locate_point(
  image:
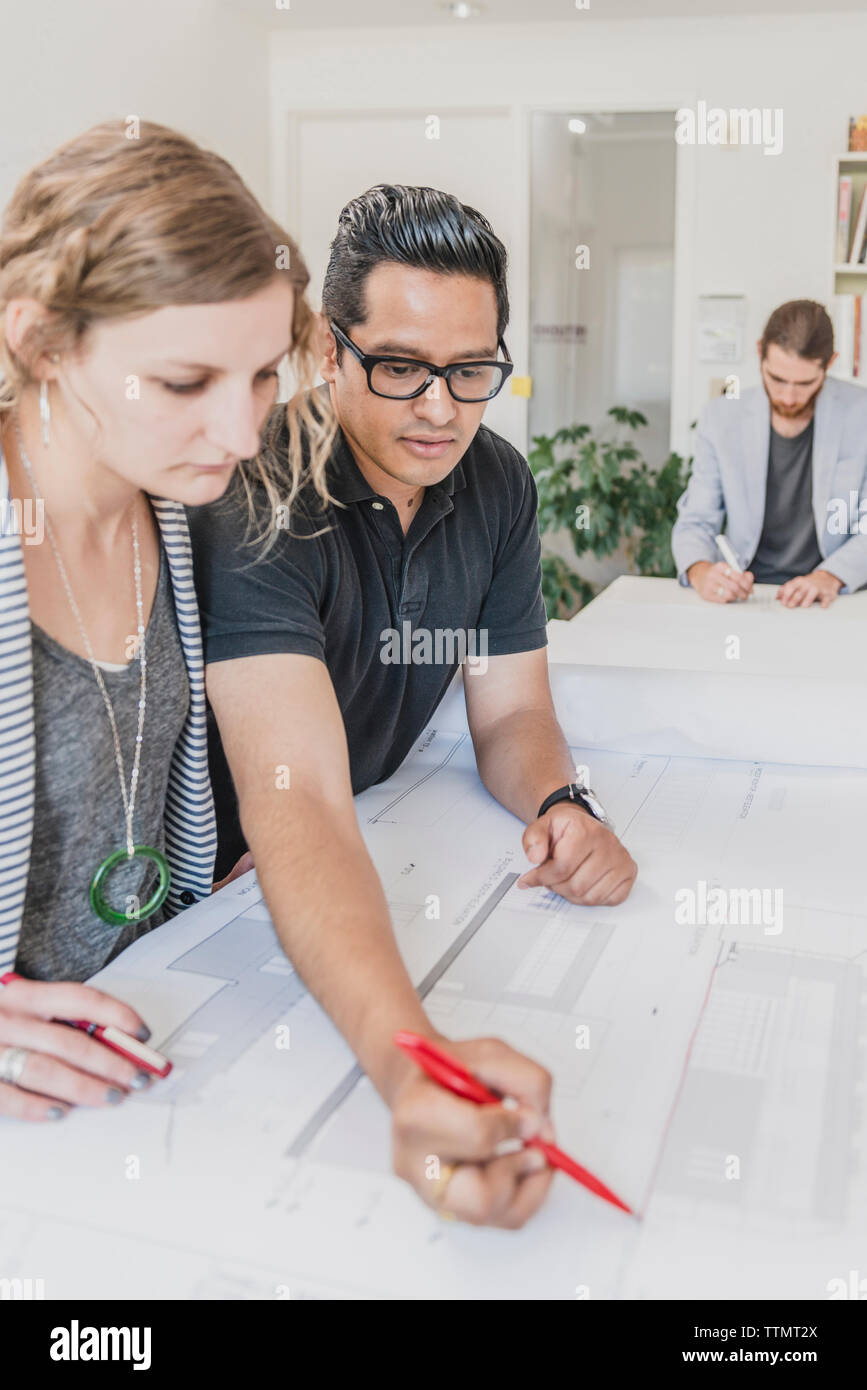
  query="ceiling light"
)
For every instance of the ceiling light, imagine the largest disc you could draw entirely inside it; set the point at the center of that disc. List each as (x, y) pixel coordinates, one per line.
(459, 9)
(577, 126)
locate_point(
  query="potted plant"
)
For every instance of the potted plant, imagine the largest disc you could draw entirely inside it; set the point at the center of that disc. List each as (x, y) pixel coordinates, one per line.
(599, 488)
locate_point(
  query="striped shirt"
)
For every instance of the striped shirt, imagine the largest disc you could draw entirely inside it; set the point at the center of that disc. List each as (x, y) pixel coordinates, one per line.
(190, 826)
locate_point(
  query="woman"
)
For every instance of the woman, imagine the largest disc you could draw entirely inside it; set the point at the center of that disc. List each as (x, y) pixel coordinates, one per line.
(146, 301)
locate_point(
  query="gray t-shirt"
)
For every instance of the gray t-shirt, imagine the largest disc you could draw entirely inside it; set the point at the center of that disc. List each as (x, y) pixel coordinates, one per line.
(78, 816)
(788, 545)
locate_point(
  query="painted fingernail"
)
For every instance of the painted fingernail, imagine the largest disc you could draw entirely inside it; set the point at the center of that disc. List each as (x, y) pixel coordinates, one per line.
(535, 1161)
(113, 1095)
(143, 1033)
(56, 1112)
(140, 1080)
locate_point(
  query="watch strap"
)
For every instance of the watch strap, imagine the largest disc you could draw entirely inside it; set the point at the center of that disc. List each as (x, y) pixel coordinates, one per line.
(571, 792)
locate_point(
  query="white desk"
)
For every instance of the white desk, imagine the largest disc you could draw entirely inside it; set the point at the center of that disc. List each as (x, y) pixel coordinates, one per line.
(722, 1092)
(663, 671)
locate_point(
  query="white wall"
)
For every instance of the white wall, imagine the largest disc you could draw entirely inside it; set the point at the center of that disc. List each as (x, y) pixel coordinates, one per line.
(746, 222)
(197, 65)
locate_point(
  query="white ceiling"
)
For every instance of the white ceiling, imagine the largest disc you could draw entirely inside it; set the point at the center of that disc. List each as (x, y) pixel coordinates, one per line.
(367, 14)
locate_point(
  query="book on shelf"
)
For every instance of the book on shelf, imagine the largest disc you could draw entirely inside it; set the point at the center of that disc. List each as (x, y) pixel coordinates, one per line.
(849, 317)
(844, 217)
(856, 250)
(857, 133)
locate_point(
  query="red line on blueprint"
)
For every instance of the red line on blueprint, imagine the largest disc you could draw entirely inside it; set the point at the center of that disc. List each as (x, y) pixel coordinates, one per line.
(679, 1088)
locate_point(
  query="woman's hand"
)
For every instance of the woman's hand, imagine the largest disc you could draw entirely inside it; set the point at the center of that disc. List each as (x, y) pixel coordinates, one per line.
(62, 1066)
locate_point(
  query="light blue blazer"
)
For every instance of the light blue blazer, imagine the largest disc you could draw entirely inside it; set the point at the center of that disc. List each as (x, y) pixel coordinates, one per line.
(730, 472)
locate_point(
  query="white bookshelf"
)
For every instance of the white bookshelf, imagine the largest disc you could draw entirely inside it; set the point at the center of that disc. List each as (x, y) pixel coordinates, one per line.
(849, 279)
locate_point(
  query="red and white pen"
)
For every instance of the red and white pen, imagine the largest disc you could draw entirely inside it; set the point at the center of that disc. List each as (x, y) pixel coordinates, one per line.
(137, 1052)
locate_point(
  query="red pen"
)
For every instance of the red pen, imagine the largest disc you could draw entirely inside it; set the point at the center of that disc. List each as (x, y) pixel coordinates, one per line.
(138, 1052)
(449, 1072)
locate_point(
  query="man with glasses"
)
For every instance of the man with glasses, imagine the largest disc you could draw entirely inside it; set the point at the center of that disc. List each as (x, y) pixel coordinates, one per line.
(785, 465)
(433, 530)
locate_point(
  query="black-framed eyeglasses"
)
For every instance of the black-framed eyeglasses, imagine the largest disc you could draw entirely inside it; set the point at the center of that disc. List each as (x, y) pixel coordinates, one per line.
(403, 378)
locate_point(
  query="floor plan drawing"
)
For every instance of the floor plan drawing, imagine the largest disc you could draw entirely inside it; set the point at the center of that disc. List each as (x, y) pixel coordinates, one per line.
(708, 1066)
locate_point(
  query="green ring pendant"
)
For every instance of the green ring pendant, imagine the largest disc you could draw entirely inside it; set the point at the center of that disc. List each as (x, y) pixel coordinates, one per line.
(105, 910)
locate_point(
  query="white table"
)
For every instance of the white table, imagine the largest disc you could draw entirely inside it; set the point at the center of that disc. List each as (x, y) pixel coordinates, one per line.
(664, 671)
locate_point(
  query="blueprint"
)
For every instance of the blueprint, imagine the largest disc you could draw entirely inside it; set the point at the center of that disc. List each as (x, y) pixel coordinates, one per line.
(707, 1041)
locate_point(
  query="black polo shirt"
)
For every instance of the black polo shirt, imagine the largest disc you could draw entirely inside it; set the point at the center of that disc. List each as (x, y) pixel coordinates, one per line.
(360, 596)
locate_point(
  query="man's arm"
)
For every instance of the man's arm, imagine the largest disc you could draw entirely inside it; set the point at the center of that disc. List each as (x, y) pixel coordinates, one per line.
(700, 510)
(285, 744)
(522, 757)
(843, 570)
(286, 747)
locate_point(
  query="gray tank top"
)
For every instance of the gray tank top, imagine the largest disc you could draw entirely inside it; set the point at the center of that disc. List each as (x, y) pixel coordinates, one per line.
(78, 816)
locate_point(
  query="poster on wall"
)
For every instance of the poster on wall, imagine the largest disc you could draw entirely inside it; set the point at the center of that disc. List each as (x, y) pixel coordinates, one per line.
(721, 319)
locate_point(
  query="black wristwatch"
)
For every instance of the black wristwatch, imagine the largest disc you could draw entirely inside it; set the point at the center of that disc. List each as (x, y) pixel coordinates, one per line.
(585, 796)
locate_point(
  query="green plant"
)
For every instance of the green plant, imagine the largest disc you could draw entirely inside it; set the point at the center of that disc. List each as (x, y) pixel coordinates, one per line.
(561, 586)
(586, 487)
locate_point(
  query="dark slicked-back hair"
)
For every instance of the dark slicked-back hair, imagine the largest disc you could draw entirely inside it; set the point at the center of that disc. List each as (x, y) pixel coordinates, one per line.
(419, 227)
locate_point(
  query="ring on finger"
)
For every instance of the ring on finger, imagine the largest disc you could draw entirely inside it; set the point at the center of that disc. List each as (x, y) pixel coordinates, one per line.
(447, 1172)
(13, 1060)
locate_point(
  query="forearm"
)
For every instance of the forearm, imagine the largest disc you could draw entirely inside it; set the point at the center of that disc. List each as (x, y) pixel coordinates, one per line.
(330, 913)
(848, 563)
(522, 758)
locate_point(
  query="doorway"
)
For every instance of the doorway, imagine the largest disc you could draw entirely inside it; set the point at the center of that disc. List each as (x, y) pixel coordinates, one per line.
(602, 189)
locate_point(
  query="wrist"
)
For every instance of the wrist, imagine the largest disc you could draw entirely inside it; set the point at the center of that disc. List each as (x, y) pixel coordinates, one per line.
(579, 795)
(826, 574)
(387, 1066)
(696, 570)
(573, 806)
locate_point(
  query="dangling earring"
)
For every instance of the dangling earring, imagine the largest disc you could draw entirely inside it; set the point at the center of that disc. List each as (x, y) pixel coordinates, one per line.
(45, 413)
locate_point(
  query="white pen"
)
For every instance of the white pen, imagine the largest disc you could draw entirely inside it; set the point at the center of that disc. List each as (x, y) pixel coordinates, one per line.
(728, 554)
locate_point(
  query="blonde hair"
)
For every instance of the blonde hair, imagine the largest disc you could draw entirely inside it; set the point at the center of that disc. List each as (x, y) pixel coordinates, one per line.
(119, 222)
